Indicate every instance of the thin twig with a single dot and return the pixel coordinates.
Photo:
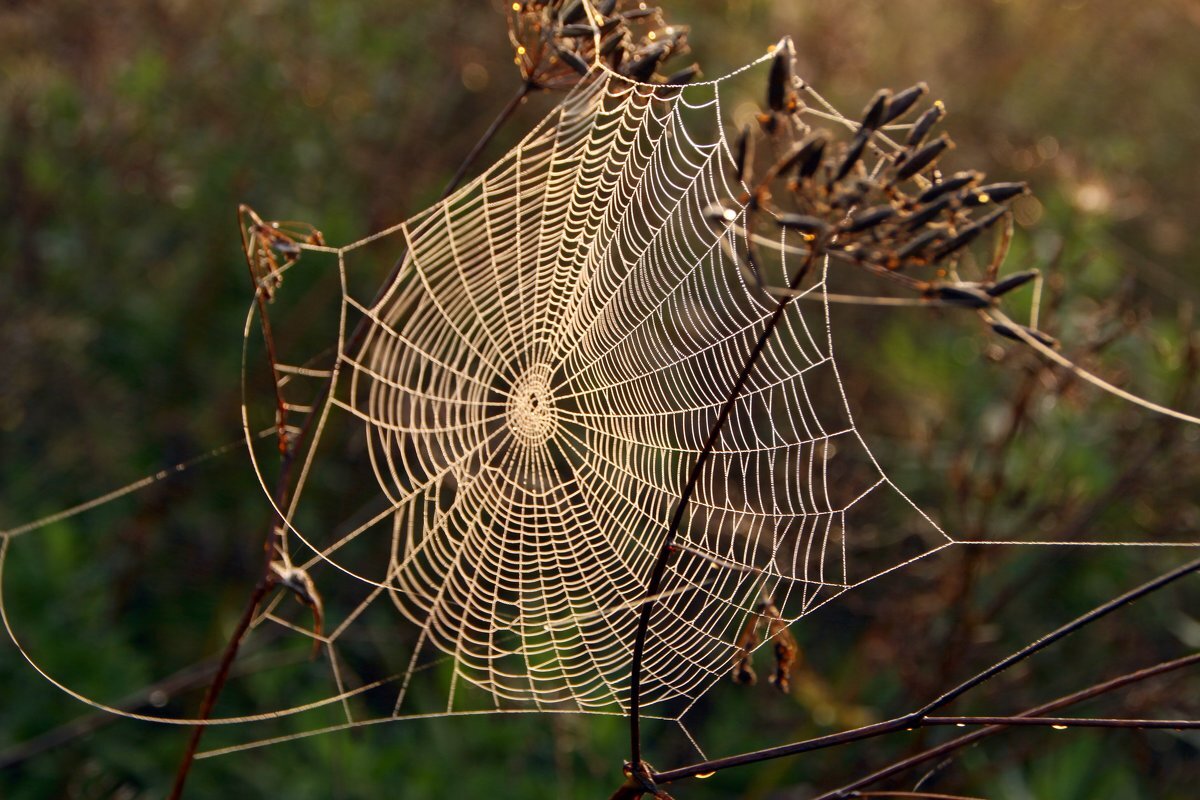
(1061, 632)
(917, 795)
(1064, 722)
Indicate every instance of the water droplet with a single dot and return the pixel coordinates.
(1059, 727)
(703, 775)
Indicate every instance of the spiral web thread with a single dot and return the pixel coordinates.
(533, 390)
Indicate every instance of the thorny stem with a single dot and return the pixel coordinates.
(919, 718)
(689, 488)
(268, 580)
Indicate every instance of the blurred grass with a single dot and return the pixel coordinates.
(128, 135)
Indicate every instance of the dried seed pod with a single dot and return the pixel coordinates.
(574, 61)
(968, 234)
(924, 123)
(876, 110)
(803, 223)
(743, 154)
(784, 646)
(853, 154)
(927, 214)
(573, 12)
(642, 68)
(606, 7)
(779, 82)
(922, 158)
(810, 154)
(865, 220)
(959, 294)
(849, 195)
(951, 184)
(576, 31)
(918, 243)
(609, 25)
(902, 102)
(1010, 332)
(611, 43)
(743, 671)
(1006, 285)
(638, 13)
(994, 193)
(683, 76)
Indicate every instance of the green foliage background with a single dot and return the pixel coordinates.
(128, 134)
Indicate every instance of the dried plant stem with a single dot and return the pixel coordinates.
(266, 582)
(1064, 362)
(689, 488)
(1064, 722)
(218, 683)
(268, 579)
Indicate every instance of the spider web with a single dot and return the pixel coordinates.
(538, 381)
(530, 395)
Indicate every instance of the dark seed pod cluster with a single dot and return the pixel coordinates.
(556, 41)
(874, 196)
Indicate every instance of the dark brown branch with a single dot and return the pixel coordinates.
(1055, 705)
(689, 488)
(917, 718)
(1066, 722)
(917, 795)
(1066, 630)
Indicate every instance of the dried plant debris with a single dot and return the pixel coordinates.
(558, 41)
(870, 192)
(272, 247)
(784, 649)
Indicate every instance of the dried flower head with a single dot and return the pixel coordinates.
(558, 41)
(870, 192)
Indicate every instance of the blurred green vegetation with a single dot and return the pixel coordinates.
(130, 132)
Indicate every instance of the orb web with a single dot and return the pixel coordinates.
(538, 381)
(529, 396)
